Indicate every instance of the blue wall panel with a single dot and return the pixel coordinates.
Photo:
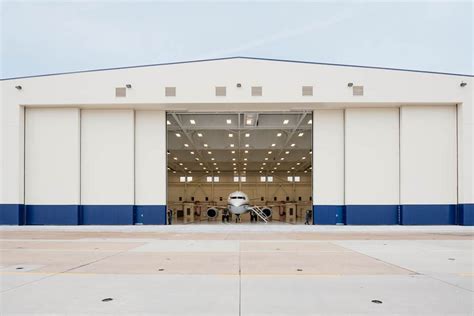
(150, 214)
(428, 214)
(52, 214)
(371, 214)
(106, 214)
(466, 214)
(328, 214)
(12, 214)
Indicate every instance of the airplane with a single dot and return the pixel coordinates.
(238, 203)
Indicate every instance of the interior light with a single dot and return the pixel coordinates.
(279, 135)
(247, 135)
(200, 163)
(245, 159)
(278, 163)
(233, 151)
(246, 151)
(233, 159)
(249, 122)
(245, 164)
(185, 168)
(266, 158)
(175, 158)
(199, 135)
(193, 122)
(180, 163)
(303, 158)
(209, 152)
(310, 122)
(285, 122)
(270, 152)
(298, 163)
(231, 145)
(197, 159)
(231, 135)
(247, 145)
(292, 145)
(214, 163)
(275, 168)
(287, 152)
(213, 158)
(273, 145)
(229, 121)
(186, 145)
(282, 158)
(263, 164)
(300, 134)
(192, 153)
(292, 168)
(178, 135)
(234, 164)
(168, 122)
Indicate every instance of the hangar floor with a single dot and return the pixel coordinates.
(237, 270)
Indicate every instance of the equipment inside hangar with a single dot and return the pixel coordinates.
(264, 155)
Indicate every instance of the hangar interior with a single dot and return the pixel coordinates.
(267, 155)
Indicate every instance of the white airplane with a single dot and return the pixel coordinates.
(239, 203)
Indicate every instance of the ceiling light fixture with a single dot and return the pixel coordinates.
(279, 135)
(229, 121)
(300, 134)
(231, 135)
(310, 122)
(247, 135)
(168, 122)
(186, 145)
(199, 135)
(292, 145)
(285, 122)
(193, 122)
(178, 135)
(205, 145)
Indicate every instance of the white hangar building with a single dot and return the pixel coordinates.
(356, 145)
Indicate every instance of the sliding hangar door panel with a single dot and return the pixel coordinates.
(150, 167)
(428, 165)
(52, 166)
(372, 166)
(328, 166)
(107, 166)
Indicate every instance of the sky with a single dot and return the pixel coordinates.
(42, 37)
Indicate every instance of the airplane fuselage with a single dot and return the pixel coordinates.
(238, 203)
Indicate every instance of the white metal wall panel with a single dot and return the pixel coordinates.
(428, 155)
(372, 156)
(150, 158)
(52, 156)
(328, 157)
(107, 156)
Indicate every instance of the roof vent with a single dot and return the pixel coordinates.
(307, 90)
(170, 91)
(221, 91)
(120, 92)
(358, 90)
(256, 91)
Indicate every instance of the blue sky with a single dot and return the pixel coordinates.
(39, 37)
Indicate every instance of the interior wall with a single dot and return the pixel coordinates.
(52, 166)
(428, 164)
(372, 166)
(328, 166)
(107, 169)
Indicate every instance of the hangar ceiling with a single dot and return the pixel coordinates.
(239, 142)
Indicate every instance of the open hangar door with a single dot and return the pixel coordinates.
(258, 160)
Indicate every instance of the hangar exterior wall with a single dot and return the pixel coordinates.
(195, 84)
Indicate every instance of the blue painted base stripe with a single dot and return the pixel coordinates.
(150, 214)
(106, 214)
(371, 214)
(328, 214)
(52, 214)
(466, 214)
(436, 214)
(12, 214)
